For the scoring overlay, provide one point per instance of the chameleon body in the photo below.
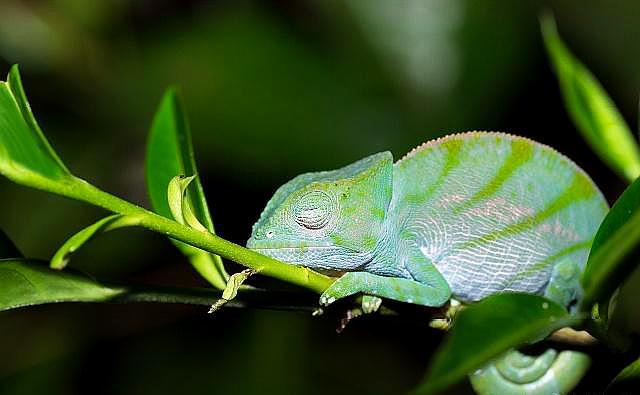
(464, 217)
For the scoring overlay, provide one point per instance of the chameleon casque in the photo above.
(463, 217)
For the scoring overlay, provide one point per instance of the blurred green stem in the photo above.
(79, 189)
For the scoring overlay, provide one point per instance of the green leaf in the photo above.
(591, 109)
(615, 251)
(231, 290)
(190, 217)
(64, 253)
(170, 153)
(180, 204)
(25, 155)
(25, 283)
(626, 380)
(175, 195)
(489, 328)
(7, 248)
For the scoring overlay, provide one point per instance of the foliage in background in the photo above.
(258, 122)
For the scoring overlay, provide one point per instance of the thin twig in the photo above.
(246, 298)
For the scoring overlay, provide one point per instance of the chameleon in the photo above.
(458, 218)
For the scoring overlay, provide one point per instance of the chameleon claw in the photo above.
(326, 300)
(349, 316)
(370, 304)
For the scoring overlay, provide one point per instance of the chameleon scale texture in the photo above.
(496, 212)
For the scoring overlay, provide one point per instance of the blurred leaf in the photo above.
(591, 109)
(627, 379)
(25, 155)
(25, 283)
(489, 328)
(7, 248)
(170, 153)
(615, 250)
(63, 255)
(622, 324)
(418, 41)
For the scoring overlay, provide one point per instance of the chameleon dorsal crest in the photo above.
(324, 219)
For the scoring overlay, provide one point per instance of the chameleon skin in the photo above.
(465, 216)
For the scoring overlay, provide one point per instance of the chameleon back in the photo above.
(495, 212)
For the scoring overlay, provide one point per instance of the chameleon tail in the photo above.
(551, 373)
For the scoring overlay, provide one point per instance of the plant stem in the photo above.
(249, 298)
(81, 190)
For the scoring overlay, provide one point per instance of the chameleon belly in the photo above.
(495, 212)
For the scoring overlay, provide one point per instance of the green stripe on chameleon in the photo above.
(337, 239)
(451, 161)
(378, 212)
(543, 264)
(407, 235)
(349, 210)
(369, 242)
(579, 189)
(388, 190)
(303, 247)
(521, 153)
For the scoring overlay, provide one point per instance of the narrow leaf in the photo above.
(615, 251)
(170, 152)
(25, 283)
(231, 290)
(591, 109)
(25, 155)
(626, 380)
(7, 248)
(64, 253)
(489, 328)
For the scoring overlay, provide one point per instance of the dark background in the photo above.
(273, 89)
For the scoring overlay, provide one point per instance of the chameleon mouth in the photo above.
(297, 255)
(298, 248)
(268, 245)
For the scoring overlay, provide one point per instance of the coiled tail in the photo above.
(551, 373)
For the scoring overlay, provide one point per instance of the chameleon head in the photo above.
(328, 220)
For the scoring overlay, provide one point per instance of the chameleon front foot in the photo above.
(341, 288)
(433, 292)
(326, 300)
(351, 315)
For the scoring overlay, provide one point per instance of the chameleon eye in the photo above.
(314, 210)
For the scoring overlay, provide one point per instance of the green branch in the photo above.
(81, 190)
(26, 157)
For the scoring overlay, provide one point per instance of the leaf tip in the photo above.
(548, 23)
(14, 72)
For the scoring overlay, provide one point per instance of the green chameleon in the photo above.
(464, 217)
